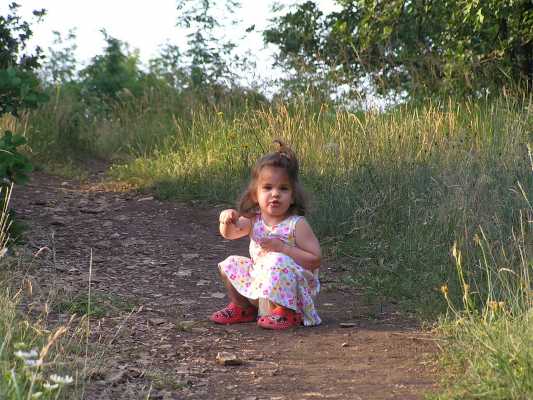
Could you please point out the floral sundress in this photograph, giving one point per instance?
(274, 276)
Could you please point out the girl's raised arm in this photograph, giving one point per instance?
(232, 225)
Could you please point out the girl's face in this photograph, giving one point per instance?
(274, 193)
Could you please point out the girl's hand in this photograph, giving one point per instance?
(230, 216)
(274, 245)
(232, 225)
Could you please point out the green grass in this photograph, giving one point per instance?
(33, 360)
(100, 304)
(34, 354)
(404, 184)
(489, 360)
(392, 193)
(488, 352)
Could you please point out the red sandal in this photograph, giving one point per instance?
(281, 318)
(234, 314)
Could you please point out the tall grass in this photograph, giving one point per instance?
(392, 193)
(72, 126)
(391, 190)
(489, 335)
(33, 360)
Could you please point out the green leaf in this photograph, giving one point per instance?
(480, 16)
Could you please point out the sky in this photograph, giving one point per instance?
(145, 25)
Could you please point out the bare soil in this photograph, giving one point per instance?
(154, 263)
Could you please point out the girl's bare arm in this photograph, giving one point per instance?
(307, 250)
(232, 225)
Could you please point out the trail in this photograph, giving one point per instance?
(154, 264)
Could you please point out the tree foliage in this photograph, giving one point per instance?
(299, 36)
(209, 55)
(60, 65)
(19, 86)
(112, 73)
(417, 46)
(169, 66)
(20, 89)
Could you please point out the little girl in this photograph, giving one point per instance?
(281, 278)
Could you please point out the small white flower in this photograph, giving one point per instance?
(33, 363)
(62, 380)
(24, 355)
(50, 386)
(37, 395)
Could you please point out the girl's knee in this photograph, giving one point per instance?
(278, 271)
(223, 274)
(277, 259)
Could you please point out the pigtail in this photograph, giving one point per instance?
(283, 149)
(246, 205)
(287, 158)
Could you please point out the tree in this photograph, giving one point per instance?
(208, 55)
(19, 86)
(169, 66)
(299, 36)
(417, 46)
(112, 73)
(60, 67)
(20, 89)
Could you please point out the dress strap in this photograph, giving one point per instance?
(292, 227)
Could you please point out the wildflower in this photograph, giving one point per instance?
(444, 290)
(62, 380)
(33, 363)
(220, 114)
(24, 355)
(496, 305)
(454, 250)
(50, 386)
(456, 253)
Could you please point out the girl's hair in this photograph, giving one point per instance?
(284, 158)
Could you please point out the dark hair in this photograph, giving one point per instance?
(284, 158)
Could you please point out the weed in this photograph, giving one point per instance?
(489, 331)
(100, 304)
(404, 184)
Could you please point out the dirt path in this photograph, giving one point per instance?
(159, 260)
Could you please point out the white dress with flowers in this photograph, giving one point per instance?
(274, 276)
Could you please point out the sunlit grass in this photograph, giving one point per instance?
(391, 190)
(33, 360)
(488, 352)
(392, 194)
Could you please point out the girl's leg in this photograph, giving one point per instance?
(280, 318)
(266, 307)
(239, 310)
(273, 306)
(234, 296)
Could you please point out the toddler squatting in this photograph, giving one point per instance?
(277, 284)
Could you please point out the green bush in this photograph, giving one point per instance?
(14, 166)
